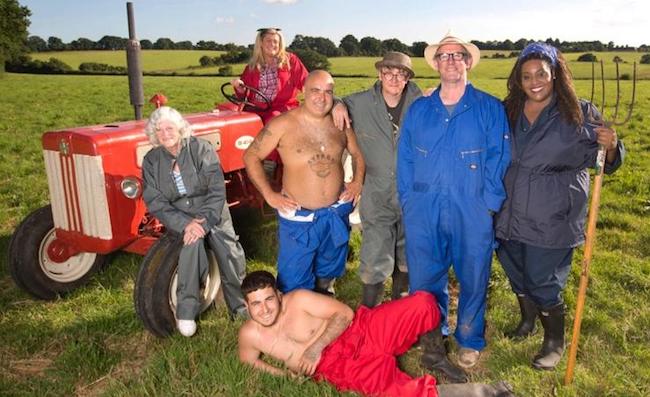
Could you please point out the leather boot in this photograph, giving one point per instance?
(526, 325)
(325, 286)
(553, 346)
(435, 358)
(400, 284)
(499, 389)
(372, 294)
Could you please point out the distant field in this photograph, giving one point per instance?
(181, 61)
(152, 60)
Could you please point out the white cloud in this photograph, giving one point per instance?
(225, 20)
(280, 1)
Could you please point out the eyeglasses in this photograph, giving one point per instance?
(456, 56)
(400, 76)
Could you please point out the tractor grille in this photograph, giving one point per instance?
(78, 193)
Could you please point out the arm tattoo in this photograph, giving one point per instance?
(335, 327)
(257, 142)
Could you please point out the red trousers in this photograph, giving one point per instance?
(363, 358)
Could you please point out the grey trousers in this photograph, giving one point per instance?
(382, 246)
(193, 269)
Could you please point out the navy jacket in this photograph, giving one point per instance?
(547, 183)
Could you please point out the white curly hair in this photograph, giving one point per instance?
(169, 114)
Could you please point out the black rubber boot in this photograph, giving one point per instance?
(372, 294)
(400, 284)
(553, 346)
(526, 325)
(499, 389)
(325, 286)
(435, 358)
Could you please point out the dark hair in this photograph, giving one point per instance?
(567, 99)
(256, 280)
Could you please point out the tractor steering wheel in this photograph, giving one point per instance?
(245, 101)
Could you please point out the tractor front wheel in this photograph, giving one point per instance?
(155, 288)
(32, 268)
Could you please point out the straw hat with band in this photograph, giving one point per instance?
(472, 50)
(394, 59)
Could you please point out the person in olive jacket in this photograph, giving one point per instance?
(555, 140)
(184, 189)
(376, 117)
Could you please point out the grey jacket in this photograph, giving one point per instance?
(374, 132)
(203, 180)
(547, 184)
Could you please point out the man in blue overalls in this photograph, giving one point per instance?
(452, 155)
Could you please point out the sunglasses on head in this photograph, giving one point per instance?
(266, 30)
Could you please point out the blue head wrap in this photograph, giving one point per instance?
(546, 50)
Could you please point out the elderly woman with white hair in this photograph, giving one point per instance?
(184, 189)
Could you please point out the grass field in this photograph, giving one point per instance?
(91, 343)
(181, 62)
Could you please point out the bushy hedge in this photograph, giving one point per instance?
(588, 57)
(94, 67)
(231, 57)
(313, 60)
(25, 64)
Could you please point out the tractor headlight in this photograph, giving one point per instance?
(131, 187)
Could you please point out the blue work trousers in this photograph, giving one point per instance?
(312, 243)
(445, 229)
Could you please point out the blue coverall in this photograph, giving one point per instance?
(449, 178)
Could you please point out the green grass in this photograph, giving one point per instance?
(187, 62)
(152, 60)
(90, 342)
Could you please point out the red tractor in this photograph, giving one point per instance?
(95, 185)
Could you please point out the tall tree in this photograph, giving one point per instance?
(349, 45)
(14, 21)
(417, 49)
(370, 46)
(82, 44)
(36, 44)
(394, 45)
(112, 43)
(146, 44)
(183, 45)
(55, 44)
(163, 43)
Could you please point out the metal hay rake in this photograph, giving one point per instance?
(594, 205)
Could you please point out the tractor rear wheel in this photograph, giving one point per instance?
(155, 288)
(32, 268)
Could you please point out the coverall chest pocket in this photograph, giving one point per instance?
(471, 170)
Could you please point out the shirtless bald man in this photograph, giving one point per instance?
(314, 203)
(318, 336)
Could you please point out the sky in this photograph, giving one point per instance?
(621, 21)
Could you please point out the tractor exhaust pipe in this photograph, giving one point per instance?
(136, 92)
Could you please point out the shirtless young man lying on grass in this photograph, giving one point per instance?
(318, 336)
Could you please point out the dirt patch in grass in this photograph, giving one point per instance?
(134, 351)
(29, 367)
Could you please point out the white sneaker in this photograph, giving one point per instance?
(186, 327)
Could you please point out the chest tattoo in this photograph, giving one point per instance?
(321, 164)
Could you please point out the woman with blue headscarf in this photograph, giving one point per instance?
(555, 138)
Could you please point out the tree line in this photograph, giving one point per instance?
(348, 46)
